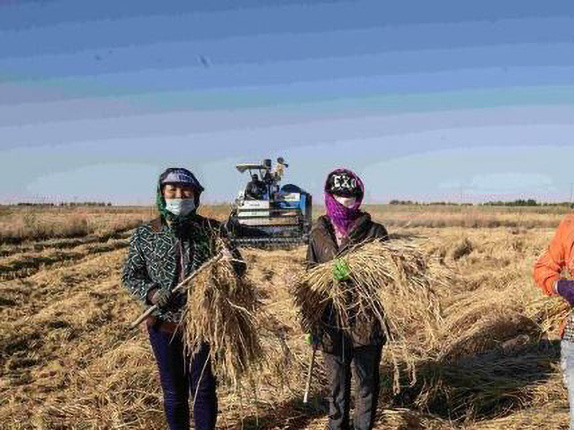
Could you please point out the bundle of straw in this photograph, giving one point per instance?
(221, 311)
(390, 283)
(549, 312)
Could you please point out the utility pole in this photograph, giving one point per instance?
(571, 184)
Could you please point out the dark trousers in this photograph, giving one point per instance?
(183, 377)
(365, 362)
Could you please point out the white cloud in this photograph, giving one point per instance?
(475, 174)
(450, 185)
(116, 182)
(511, 182)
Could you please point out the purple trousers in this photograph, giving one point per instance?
(184, 378)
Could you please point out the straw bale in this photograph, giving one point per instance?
(221, 311)
(549, 312)
(391, 283)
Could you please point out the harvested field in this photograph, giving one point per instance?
(441, 216)
(18, 225)
(69, 361)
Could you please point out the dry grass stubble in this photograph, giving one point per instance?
(73, 363)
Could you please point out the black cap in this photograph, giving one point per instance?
(343, 183)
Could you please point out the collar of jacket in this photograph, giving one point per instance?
(357, 233)
(198, 222)
(158, 223)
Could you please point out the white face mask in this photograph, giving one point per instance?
(348, 202)
(181, 207)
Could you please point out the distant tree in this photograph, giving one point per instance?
(514, 203)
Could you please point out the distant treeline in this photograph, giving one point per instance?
(411, 202)
(528, 202)
(518, 202)
(64, 204)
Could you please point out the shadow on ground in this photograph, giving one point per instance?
(292, 414)
(480, 387)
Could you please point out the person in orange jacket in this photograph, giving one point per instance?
(547, 274)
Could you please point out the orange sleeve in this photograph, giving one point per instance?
(550, 264)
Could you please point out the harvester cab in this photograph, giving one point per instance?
(268, 214)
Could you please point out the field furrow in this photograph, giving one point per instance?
(59, 244)
(19, 266)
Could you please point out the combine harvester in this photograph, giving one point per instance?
(268, 215)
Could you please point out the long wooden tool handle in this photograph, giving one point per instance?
(178, 288)
(309, 375)
(143, 316)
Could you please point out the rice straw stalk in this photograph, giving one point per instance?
(392, 283)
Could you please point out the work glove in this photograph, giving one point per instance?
(341, 270)
(565, 287)
(311, 339)
(160, 297)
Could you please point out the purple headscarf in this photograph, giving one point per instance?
(341, 216)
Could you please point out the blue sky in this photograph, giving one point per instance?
(426, 100)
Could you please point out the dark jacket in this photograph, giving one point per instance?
(323, 248)
(155, 259)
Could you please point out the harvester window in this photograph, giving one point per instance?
(255, 189)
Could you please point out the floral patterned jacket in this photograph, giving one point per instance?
(157, 258)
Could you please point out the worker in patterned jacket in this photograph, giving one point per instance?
(548, 275)
(162, 253)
